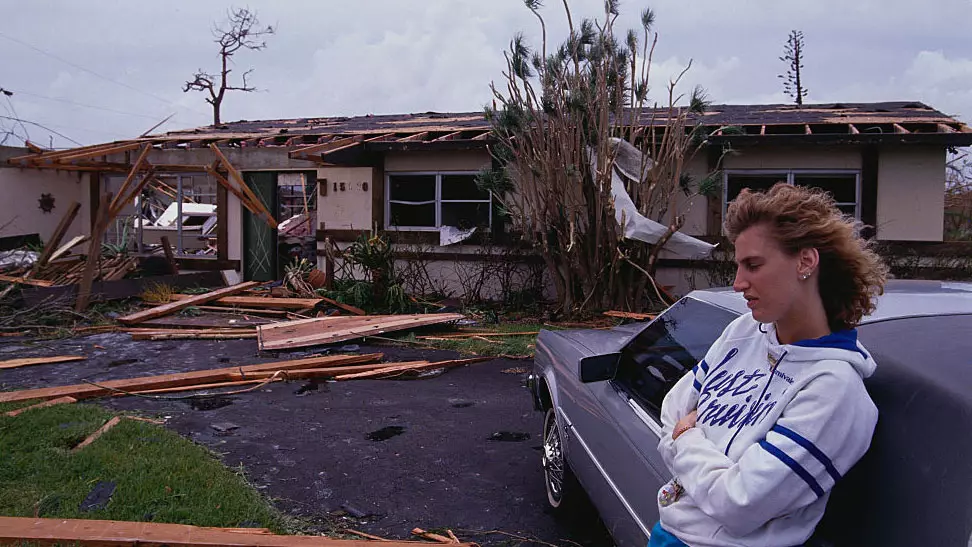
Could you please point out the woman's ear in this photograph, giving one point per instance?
(809, 260)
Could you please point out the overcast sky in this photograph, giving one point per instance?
(103, 70)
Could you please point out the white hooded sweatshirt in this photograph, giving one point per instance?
(778, 425)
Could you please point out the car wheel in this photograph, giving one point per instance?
(560, 482)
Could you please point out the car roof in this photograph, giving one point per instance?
(902, 298)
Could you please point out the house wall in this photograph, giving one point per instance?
(345, 201)
(794, 158)
(911, 194)
(20, 213)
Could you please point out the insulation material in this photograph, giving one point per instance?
(628, 163)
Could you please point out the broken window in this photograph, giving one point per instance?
(844, 186)
(428, 201)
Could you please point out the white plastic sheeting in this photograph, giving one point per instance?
(628, 162)
(449, 235)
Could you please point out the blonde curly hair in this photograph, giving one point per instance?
(851, 273)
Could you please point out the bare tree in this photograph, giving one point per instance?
(241, 30)
(558, 120)
(793, 56)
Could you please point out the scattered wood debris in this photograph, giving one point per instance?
(90, 533)
(629, 315)
(27, 361)
(45, 404)
(107, 387)
(328, 330)
(193, 334)
(170, 307)
(259, 301)
(98, 433)
(434, 537)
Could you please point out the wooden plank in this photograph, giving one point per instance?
(238, 178)
(328, 330)
(107, 387)
(98, 433)
(23, 281)
(182, 335)
(331, 145)
(243, 311)
(94, 253)
(898, 128)
(942, 128)
(261, 302)
(346, 307)
(460, 335)
(103, 533)
(417, 137)
(116, 204)
(328, 372)
(172, 307)
(449, 137)
(169, 256)
(629, 315)
(397, 368)
(388, 137)
(193, 387)
(853, 129)
(57, 235)
(28, 361)
(45, 404)
(63, 249)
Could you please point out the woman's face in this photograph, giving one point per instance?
(768, 278)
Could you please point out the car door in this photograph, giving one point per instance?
(622, 437)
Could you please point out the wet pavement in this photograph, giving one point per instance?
(460, 450)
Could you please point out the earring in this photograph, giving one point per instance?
(805, 276)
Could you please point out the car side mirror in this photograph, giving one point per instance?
(598, 368)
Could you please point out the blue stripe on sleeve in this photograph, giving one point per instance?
(697, 385)
(811, 448)
(704, 366)
(796, 467)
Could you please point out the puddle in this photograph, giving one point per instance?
(225, 360)
(120, 362)
(386, 433)
(509, 436)
(210, 403)
(466, 404)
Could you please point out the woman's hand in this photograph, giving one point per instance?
(684, 424)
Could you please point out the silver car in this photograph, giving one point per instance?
(601, 393)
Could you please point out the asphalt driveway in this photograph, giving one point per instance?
(460, 450)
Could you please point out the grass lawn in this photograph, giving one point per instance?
(159, 476)
(513, 345)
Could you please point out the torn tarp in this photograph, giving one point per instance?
(628, 162)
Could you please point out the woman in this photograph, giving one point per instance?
(761, 430)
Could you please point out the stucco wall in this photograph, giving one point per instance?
(20, 213)
(347, 204)
(911, 194)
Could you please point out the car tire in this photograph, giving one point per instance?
(563, 490)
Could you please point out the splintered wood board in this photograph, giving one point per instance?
(328, 330)
(171, 307)
(209, 376)
(15, 363)
(261, 302)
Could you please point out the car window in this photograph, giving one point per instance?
(674, 343)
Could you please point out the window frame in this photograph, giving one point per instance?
(635, 399)
(438, 199)
(790, 175)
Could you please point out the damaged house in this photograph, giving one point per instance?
(251, 195)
